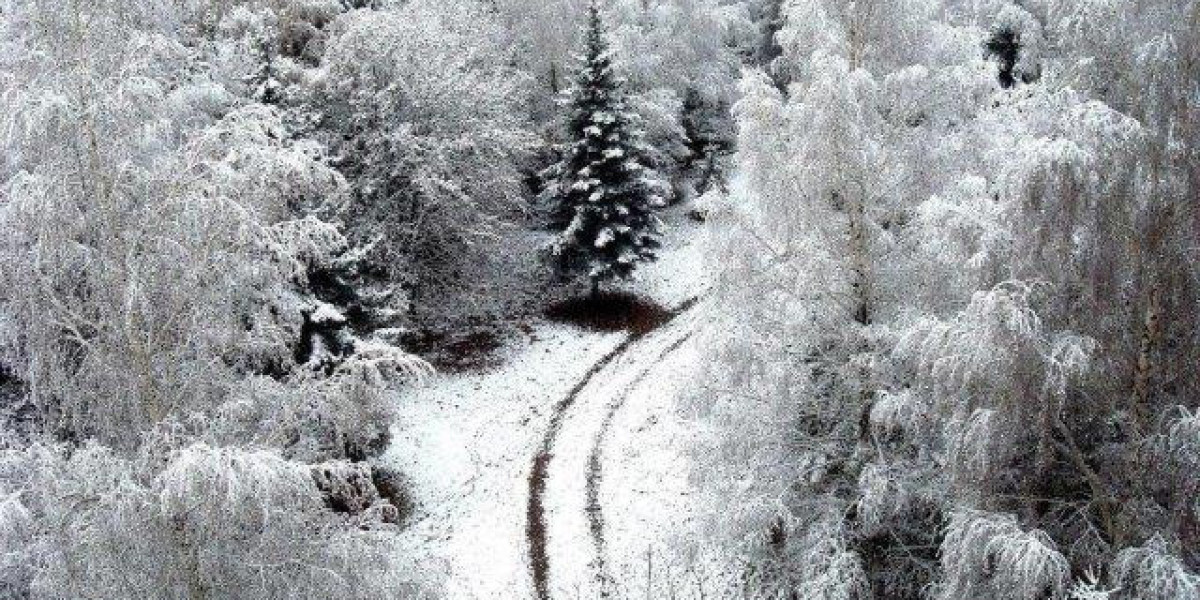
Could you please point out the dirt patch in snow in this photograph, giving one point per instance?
(476, 350)
(610, 311)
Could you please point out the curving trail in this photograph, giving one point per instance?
(595, 510)
(564, 521)
(535, 527)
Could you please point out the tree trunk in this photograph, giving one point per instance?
(194, 579)
(860, 262)
(1144, 367)
(1102, 497)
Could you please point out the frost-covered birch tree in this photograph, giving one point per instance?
(426, 120)
(1013, 390)
(163, 225)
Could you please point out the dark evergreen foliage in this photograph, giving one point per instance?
(345, 304)
(263, 81)
(603, 193)
(710, 136)
(1005, 47)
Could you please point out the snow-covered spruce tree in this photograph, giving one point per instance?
(347, 302)
(264, 79)
(603, 192)
(680, 59)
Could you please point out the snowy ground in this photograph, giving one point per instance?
(466, 441)
(644, 490)
(576, 518)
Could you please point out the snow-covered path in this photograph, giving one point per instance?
(467, 442)
(565, 519)
(464, 443)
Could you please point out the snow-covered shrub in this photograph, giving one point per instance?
(890, 497)
(16, 534)
(195, 521)
(1090, 588)
(314, 418)
(1153, 572)
(829, 569)
(1018, 44)
(989, 556)
(425, 120)
(350, 488)
(901, 414)
(1182, 451)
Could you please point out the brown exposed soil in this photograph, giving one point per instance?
(472, 351)
(610, 311)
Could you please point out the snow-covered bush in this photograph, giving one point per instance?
(166, 237)
(989, 556)
(832, 571)
(1153, 572)
(426, 121)
(192, 521)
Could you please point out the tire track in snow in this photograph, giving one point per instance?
(535, 526)
(595, 511)
(535, 513)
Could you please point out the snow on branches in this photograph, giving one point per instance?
(603, 193)
(987, 555)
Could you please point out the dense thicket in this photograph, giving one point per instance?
(220, 217)
(186, 380)
(958, 289)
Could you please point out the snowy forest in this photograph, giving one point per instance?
(572, 299)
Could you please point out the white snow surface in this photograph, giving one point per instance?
(655, 543)
(466, 442)
(575, 569)
(327, 313)
(680, 271)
